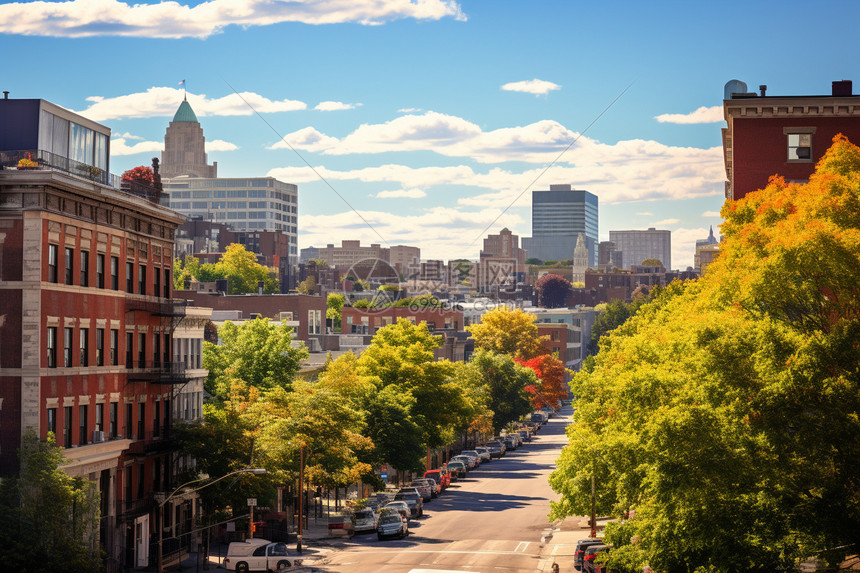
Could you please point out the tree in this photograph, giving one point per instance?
(553, 290)
(307, 286)
(319, 263)
(334, 308)
(724, 410)
(550, 371)
(506, 383)
(534, 261)
(652, 263)
(257, 353)
(508, 331)
(612, 315)
(363, 303)
(243, 272)
(49, 521)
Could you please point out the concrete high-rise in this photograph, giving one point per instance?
(185, 147)
(558, 217)
(637, 246)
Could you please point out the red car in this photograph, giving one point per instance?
(439, 476)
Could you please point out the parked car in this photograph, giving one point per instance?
(526, 435)
(400, 507)
(256, 555)
(484, 453)
(495, 450)
(472, 453)
(423, 489)
(440, 476)
(392, 524)
(497, 445)
(431, 483)
(365, 520)
(413, 499)
(457, 470)
(581, 546)
(509, 444)
(588, 564)
(468, 461)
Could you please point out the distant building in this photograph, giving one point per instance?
(704, 244)
(637, 246)
(580, 260)
(558, 217)
(705, 255)
(185, 147)
(572, 348)
(608, 256)
(406, 260)
(502, 262)
(351, 252)
(308, 253)
(782, 135)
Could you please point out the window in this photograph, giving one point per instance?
(141, 419)
(85, 346)
(799, 144)
(166, 283)
(127, 484)
(156, 290)
(53, 252)
(112, 429)
(156, 350)
(67, 347)
(100, 418)
(70, 256)
(167, 350)
(129, 277)
(129, 351)
(67, 427)
(114, 343)
(129, 420)
(52, 420)
(100, 270)
(141, 278)
(141, 350)
(114, 273)
(156, 420)
(100, 347)
(314, 318)
(140, 468)
(82, 425)
(52, 346)
(85, 268)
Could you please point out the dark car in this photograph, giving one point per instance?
(588, 564)
(413, 499)
(581, 546)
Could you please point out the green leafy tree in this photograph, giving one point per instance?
(725, 410)
(240, 267)
(534, 261)
(652, 263)
(48, 520)
(256, 353)
(363, 303)
(506, 383)
(334, 309)
(508, 331)
(307, 286)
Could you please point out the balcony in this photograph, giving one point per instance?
(153, 442)
(156, 306)
(46, 161)
(157, 372)
(127, 510)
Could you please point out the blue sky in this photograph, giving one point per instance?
(432, 116)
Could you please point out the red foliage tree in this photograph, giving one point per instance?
(553, 290)
(550, 371)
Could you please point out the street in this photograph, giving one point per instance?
(491, 521)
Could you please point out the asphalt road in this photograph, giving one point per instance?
(492, 521)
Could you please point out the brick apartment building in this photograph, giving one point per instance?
(87, 317)
(785, 135)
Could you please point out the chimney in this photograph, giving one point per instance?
(5, 94)
(763, 89)
(842, 88)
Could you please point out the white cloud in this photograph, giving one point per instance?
(118, 146)
(127, 135)
(220, 145)
(409, 110)
(684, 246)
(711, 214)
(665, 222)
(702, 115)
(410, 193)
(441, 232)
(308, 139)
(535, 86)
(645, 214)
(164, 101)
(83, 18)
(335, 106)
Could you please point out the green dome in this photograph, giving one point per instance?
(185, 113)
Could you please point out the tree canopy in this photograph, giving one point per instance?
(553, 290)
(508, 331)
(238, 265)
(725, 411)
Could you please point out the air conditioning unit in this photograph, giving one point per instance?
(255, 315)
(285, 315)
(98, 436)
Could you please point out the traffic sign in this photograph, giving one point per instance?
(252, 501)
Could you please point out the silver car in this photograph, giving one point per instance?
(392, 524)
(365, 520)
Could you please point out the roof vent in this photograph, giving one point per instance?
(842, 88)
(734, 87)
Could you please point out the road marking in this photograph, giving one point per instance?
(464, 552)
(522, 545)
(438, 571)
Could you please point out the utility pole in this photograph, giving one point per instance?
(301, 497)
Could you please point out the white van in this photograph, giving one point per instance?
(256, 555)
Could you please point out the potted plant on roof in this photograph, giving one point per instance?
(27, 162)
(141, 174)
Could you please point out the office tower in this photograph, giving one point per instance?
(558, 217)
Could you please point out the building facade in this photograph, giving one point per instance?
(185, 147)
(558, 217)
(782, 135)
(87, 319)
(638, 245)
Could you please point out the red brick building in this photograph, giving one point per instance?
(784, 135)
(368, 321)
(86, 316)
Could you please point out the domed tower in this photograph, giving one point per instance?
(185, 147)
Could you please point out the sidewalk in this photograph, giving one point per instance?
(559, 545)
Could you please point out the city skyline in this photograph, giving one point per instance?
(440, 115)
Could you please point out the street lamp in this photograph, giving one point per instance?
(160, 507)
